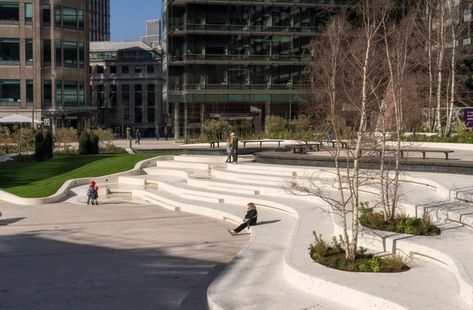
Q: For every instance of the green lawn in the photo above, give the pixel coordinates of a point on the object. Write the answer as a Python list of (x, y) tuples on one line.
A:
[(41, 179)]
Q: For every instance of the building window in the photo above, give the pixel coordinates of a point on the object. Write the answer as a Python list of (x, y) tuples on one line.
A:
[(58, 53), (71, 94), (151, 90), (9, 13), (10, 93), (113, 95), (46, 15), (138, 69), (80, 18), (81, 55), (100, 90), (138, 103), (99, 69), (70, 54), (29, 51), (28, 13), (58, 94), (81, 93), (125, 69), (58, 16), (29, 93), (150, 68), (47, 94), (9, 51), (126, 103), (69, 18), (47, 52), (113, 69)]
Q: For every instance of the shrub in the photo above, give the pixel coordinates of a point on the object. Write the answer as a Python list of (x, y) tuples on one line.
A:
[(88, 143), (276, 127), (301, 128), (48, 144), (66, 135), (333, 256), (24, 137), (43, 146), (216, 130), (400, 224)]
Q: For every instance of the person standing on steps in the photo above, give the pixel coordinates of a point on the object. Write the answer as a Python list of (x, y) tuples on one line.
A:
[(229, 149), (234, 149), (250, 219)]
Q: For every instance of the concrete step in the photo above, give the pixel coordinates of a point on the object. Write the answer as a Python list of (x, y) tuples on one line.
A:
[(448, 211), (182, 165), (465, 194)]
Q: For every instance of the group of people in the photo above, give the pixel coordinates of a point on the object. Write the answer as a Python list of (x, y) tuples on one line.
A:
[(92, 193), (232, 148)]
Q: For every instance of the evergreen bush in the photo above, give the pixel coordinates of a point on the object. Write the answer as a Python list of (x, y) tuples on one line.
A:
[(88, 143)]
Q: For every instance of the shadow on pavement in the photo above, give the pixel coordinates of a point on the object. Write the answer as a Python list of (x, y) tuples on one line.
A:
[(6, 222), (41, 273)]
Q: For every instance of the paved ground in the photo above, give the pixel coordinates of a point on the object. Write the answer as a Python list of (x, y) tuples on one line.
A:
[(66, 256)]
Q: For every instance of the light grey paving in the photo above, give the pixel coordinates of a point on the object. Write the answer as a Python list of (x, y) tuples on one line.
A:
[(67, 256)]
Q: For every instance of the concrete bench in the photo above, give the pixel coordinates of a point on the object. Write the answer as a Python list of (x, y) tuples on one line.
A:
[(261, 142), (303, 148)]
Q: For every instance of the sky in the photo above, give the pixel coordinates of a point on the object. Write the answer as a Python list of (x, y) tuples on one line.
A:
[(128, 17)]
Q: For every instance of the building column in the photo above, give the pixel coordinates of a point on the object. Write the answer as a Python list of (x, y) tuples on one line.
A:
[(132, 104), (202, 118), (176, 119), (144, 118), (186, 121), (267, 112)]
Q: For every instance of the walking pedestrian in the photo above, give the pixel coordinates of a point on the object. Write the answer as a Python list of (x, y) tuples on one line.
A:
[(138, 136), (234, 149)]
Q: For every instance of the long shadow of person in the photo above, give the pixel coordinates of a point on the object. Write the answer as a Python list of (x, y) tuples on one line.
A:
[(6, 222)]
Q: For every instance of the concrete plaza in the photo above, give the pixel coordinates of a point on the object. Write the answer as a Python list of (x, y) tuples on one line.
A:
[(111, 256)]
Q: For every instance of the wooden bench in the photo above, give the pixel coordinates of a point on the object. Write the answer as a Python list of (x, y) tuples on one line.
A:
[(417, 150), (212, 144), (343, 143), (261, 142), (424, 151)]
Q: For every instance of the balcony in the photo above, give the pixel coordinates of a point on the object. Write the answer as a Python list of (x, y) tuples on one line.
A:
[(234, 87), (247, 29), (237, 58)]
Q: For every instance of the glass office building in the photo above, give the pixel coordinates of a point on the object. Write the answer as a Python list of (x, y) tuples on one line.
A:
[(239, 61)]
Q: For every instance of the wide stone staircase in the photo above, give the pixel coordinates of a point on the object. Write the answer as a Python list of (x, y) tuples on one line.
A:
[(275, 271)]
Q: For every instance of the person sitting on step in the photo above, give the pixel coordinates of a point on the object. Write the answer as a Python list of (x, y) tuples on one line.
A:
[(250, 219)]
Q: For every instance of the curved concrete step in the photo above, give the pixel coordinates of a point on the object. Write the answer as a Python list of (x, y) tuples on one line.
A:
[(362, 300)]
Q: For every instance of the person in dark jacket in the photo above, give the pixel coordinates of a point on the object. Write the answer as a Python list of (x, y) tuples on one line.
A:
[(234, 148), (250, 219)]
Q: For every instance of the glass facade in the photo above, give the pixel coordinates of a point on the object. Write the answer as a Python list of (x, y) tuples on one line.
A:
[(238, 60)]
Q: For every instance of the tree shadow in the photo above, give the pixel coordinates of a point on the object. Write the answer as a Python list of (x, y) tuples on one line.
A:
[(42, 273)]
